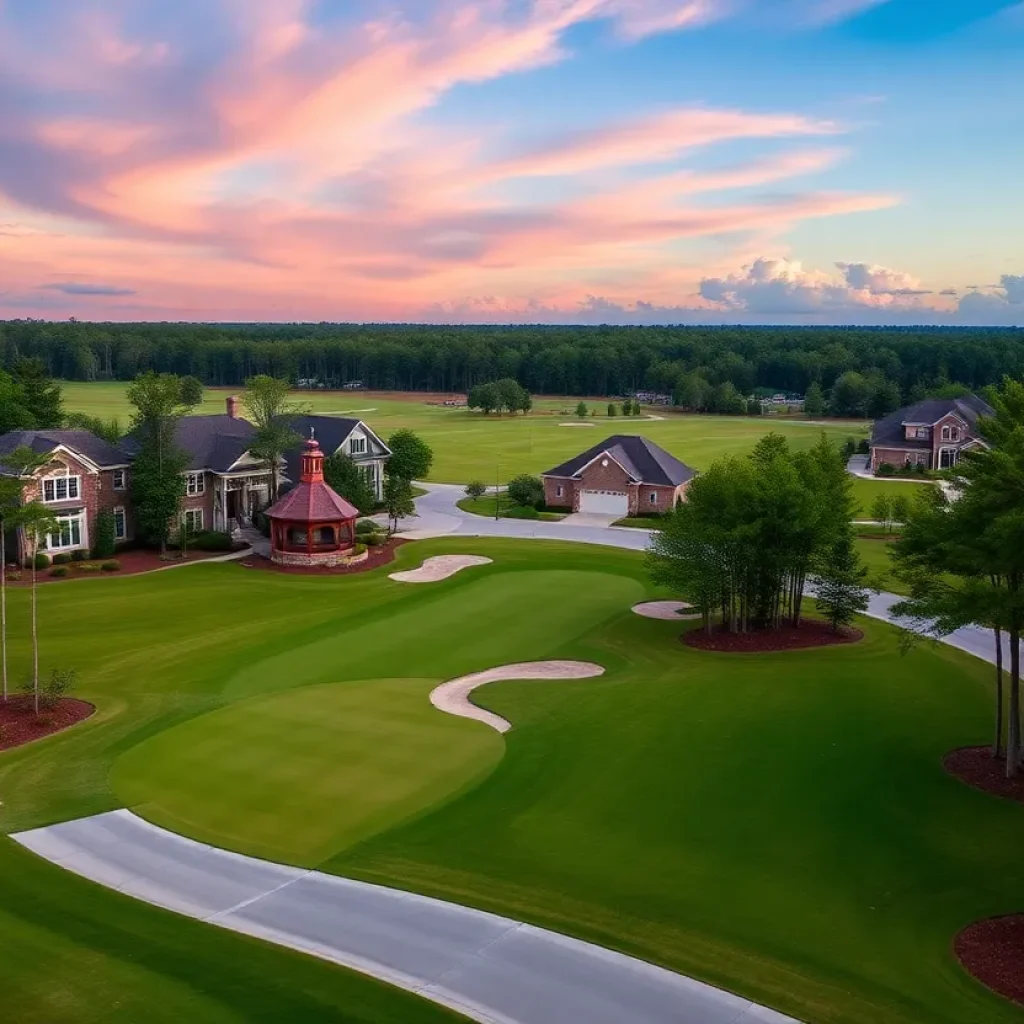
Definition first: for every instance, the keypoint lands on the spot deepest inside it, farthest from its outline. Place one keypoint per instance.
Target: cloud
(74, 288)
(865, 277)
(1001, 304)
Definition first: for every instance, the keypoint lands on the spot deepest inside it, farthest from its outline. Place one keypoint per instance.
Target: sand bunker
(674, 611)
(453, 697)
(440, 567)
(577, 424)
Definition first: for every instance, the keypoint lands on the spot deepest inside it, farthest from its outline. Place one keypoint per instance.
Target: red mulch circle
(19, 723)
(993, 952)
(376, 557)
(978, 768)
(810, 633)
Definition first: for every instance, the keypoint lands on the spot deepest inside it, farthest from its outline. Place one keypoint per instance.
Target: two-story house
(932, 434)
(224, 483)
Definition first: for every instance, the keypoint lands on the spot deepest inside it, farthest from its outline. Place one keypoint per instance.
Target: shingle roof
(638, 456)
(312, 503)
(211, 442)
(330, 431)
(889, 430)
(94, 448)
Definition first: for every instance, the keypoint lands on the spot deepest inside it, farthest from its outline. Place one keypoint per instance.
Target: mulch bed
(810, 633)
(978, 768)
(19, 724)
(132, 564)
(376, 557)
(993, 952)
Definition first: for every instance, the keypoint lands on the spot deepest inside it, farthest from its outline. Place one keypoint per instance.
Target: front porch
(237, 497)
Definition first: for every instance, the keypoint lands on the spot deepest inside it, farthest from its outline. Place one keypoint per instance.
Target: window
(922, 433)
(193, 520)
(120, 478)
(357, 446)
(370, 474)
(69, 534)
(62, 488)
(558, 491)
(195, 483)
(120, 524)
(654, 498)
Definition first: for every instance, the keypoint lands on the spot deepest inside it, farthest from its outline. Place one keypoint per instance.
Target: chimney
(232, 404)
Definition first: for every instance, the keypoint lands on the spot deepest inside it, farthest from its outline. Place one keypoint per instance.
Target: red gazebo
(312, 524)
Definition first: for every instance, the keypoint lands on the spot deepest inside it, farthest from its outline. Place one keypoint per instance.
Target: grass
(874, 554)
(865, 491)
(639, 522)
(470, 446)
(487, 505)
(779, 824)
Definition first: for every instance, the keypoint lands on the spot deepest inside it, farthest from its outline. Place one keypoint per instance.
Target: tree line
(692, 363)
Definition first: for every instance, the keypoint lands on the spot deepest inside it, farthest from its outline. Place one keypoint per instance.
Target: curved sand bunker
(577, 424)
(674, 611)
(440, 567)
(453, 697)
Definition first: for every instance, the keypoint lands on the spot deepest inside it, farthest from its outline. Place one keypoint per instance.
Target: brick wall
(202, 501)
(894, 456)
(610, 477)
(551, 496)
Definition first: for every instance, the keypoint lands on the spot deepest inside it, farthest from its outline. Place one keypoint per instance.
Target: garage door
(609, 503)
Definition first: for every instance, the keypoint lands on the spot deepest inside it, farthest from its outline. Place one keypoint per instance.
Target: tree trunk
(35, 634)
(3, 610)
(997, 746)
(1013, 738)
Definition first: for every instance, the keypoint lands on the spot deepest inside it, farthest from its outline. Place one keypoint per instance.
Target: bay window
(70, 533)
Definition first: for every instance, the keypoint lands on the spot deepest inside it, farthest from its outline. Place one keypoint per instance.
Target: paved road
(438, 515)
(491, 969)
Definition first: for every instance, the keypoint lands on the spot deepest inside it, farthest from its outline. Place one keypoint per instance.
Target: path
(490, 968)
(439, 516)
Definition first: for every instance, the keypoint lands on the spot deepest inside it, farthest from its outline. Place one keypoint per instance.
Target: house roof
(211, 442)
(638, 456)
(889, 432)
(330, 431)
(312, 503)
(83, 442)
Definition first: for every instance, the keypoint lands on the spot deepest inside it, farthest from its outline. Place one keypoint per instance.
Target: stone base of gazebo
(325, 559)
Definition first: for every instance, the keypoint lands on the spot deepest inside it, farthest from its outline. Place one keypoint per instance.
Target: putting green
(302, 774)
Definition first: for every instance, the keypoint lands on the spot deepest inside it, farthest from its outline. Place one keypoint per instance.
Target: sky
(509, 161)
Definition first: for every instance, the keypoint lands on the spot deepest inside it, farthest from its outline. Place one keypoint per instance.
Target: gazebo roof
(312, 503)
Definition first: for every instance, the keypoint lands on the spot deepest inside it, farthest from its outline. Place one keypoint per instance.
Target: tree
(526, 490)
(581, 410)
(23, 463)
(36, 521)
(754, 407)
(266, 402)
(884, 399)
(105, 541)
(398, 500)
(342, 474)
(476, 489)
(814, 401)
(627, 408)
(191, 391)
(839, 581)
(882, 512)
(727, 401)
(42, 393)
(110, 430)
(15, 413)
(483, 397)
(850, 395)
(613, 409)
(899, 508)
(411, 456)
(157, 481)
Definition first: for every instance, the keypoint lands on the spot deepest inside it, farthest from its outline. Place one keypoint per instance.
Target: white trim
(199, 476)
(120, 511)
(605, 455)
(67, 477)
(124, 479)
(82, 518)
(196, 515)
(360, 425)
(90, 466)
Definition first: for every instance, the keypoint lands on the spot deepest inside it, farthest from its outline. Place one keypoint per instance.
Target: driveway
(489, 968)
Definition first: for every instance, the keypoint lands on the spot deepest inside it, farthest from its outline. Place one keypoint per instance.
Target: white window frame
(196, 516)
(921, 433)
(654, 498)
(71, 519)
(120, 515)
(358, 446)
(69, 482)
(195, 484)
(122, 475)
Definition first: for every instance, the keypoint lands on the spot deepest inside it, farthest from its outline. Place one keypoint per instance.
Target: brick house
(932, 433)
(624, 475)
(224, 483)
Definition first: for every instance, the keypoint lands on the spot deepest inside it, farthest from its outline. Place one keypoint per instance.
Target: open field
(778, 824)
(470, 446)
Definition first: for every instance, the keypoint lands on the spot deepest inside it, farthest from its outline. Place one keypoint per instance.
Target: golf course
(779, 825)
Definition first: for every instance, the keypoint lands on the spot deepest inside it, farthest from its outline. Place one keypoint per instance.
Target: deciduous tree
(267, 402)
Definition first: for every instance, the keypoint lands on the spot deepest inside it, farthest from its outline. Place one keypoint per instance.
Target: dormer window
(357, 446)
(921, 433)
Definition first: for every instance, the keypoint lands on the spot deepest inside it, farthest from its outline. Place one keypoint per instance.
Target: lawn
(778, 824)
(487, 505)
(875, 555)
(866, 491)
(470, 446)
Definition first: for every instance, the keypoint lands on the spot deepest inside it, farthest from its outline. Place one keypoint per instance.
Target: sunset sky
(572, 161)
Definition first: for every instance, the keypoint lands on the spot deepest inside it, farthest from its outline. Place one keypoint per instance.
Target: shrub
(112, 566)
(581, 410)
(212, 540)
(79, 555)
(61, 558)
(106, 540)
(365, 526)
(522, 512)
(372, 540)
(476, 489)
(359, 549)
(526, 490)
(89, 567)
(14, 576)
(41, 561)
(59, 571)
(58, 684)
(885, 469)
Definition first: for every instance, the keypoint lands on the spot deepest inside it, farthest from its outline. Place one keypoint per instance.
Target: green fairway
(866, 491)
(470, 446)
(777, 824)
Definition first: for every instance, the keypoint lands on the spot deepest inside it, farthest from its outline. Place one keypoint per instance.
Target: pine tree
(840, 582)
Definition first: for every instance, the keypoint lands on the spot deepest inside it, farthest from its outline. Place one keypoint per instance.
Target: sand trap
(577, 424)
(674, 611)
(453, 697)
(440, 567)
(348, 412)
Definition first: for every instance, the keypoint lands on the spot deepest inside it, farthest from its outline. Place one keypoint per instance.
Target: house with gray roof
(932, 434)
(624, 475)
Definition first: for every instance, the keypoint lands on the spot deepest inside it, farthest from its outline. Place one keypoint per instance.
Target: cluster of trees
(603, 360)
(962, 560)
(29, 398)
(505, 395)
(755, 531)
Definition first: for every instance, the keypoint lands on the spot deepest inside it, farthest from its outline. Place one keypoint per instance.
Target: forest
(610, 360)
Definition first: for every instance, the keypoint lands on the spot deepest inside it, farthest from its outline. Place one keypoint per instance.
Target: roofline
(368, 430)
(94, 467)
(607, 453)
